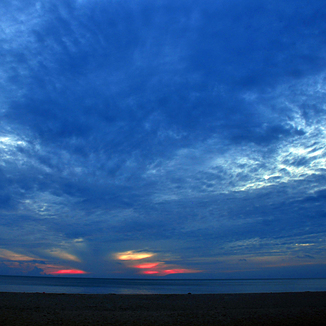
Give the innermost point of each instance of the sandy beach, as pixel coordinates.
(308, 308)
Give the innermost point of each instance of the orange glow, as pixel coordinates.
(179, 271)
(175, 271)
(164, 272)
(147, 265)
(69, 271)
(133, 255)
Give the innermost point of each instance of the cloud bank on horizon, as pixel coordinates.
(183, 138)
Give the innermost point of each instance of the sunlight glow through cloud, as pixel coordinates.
(151, 268)
(133, 255)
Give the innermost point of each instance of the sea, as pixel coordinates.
(155, 286)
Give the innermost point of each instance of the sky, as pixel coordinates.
(163, 138)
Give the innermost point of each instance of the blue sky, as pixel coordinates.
(166, 138)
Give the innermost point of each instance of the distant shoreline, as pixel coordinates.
(287, 308)
(76, 285)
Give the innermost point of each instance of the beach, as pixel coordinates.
(302, 308)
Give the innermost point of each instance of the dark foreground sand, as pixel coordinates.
(308, 308)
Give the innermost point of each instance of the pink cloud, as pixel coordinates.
(68, 271)
(146, 265)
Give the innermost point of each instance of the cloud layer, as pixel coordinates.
(193, 131)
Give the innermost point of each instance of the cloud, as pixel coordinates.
(26, 265)
(146, 265)
(68, 271)
(63, 255)
(25, 269)
(306, 257)
(156, 268)
(10, 255)
(164, 270)
(190, 128)
(133, 255)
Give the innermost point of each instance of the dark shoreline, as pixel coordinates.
(289, 308)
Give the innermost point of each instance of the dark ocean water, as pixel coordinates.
(155, 286)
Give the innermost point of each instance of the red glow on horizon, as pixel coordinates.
(69, 271)
(146, 265)
(176, 271)
(179, 271)
(170, 271)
